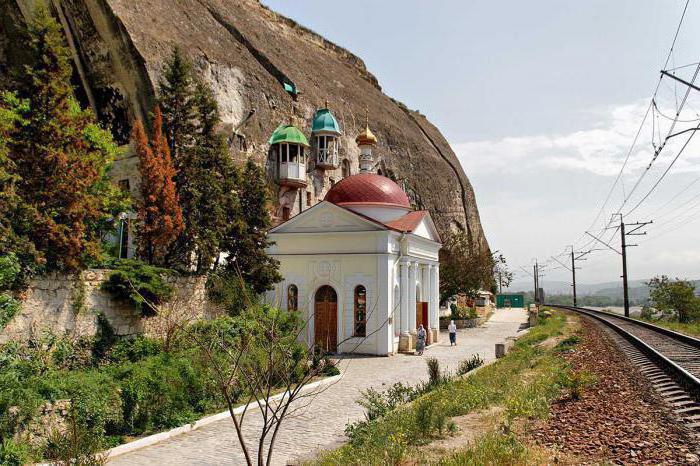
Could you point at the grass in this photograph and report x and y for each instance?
(691, 328)
(524, 382)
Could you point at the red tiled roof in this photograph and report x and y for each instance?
(408, 222)
(368, 189)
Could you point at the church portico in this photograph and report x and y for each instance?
(360, 266)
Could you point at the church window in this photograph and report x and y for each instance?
(360, 311)
(308, 198)
(286, 212)
(293, 148)
(292, 298)
(346, 168)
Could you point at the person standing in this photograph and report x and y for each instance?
(420, 344)
(452, 328)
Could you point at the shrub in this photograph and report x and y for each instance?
(9, 307)
(76, 446)
(470, 364)
(575, 382)
(568, 342)
(161, 392)
(141, 284)
(96, 402)
(430, 418)
(134, 349)
(9, 270)
(434, 375)
(647, 313)
(378, 404)
(463, 312)
(13, 453)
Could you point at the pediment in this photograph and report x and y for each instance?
(326, 217)
(426, 229)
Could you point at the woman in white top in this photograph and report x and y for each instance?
(452, 328)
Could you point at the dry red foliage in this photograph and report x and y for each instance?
(160, 215)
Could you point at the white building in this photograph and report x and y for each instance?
(361, 266)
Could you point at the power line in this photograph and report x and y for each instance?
(641, 126)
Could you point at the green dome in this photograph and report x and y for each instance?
(325, 121)
(288, 133)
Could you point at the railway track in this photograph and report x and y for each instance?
(670, 360)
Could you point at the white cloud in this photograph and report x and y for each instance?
(600, 150)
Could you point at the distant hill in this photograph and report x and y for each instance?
(609, 291)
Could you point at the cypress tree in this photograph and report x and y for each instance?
(160, 216)
(206, 177)
(60, 156)
(247, 241)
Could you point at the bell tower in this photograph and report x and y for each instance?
(365, 140)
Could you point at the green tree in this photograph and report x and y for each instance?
(675, 298)
(60, 157)
(246, 242)
(462, 269)
(206, 176)
(12, 209)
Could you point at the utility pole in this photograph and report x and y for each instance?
(573, 273)
(624, 268)
(624, 233)
(535, 277)
(500, 283)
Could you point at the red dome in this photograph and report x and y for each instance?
(368, 188)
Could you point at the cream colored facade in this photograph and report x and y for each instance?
(332, 245)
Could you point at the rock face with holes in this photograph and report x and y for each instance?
(247, 53)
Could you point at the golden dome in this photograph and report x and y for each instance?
(366, 138)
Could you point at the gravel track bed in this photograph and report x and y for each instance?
(620, 419)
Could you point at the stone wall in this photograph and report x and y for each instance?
(69, 304)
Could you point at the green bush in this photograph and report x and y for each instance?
(141, 284)
(95, 397)
(162, 392)
(134, 349)
(470, 364)
(10, 269)
(78, 445)
(9, 308)
(463, 312)
(13, 453)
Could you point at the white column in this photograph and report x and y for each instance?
(412, 296)
(434, 305)
(403, 292)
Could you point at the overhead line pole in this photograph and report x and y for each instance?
(573, 272)
(624, 245)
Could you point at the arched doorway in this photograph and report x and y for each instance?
(326, 318)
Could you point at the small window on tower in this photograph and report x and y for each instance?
(286, 212)
(346, 168)
(308, 198)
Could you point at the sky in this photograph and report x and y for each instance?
(541, 102)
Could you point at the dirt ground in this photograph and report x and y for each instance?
(619, 419)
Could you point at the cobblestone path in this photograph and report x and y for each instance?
(320, 425)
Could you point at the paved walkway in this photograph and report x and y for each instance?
(320, 425)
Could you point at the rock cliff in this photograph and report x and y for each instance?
(247, 52)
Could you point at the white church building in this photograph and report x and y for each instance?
(361, 266)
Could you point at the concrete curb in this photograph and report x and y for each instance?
(205, 421)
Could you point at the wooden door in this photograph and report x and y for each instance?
(422, 318)
(326, 319)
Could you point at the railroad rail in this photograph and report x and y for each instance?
(676, 354)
